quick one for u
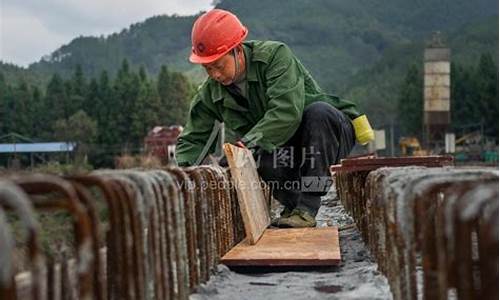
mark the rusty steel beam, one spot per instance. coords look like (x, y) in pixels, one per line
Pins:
(370, 163)
(176, 197)
(236, 218)
(203, 235)
(406, 215)
(187, 189)
(167, 231)
(115, 245)
(176, 234)
(212, 216)
(133, 285)
(7, 285)
(13, 198)
(98, 279)
(138, 279)
(163, 221)
(46, 184)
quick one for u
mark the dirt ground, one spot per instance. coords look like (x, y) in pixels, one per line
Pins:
(356, 278)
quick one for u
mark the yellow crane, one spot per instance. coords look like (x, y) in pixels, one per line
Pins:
(410, 146)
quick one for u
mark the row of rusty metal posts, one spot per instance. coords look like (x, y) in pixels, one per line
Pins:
(432, 228)
(165, 232)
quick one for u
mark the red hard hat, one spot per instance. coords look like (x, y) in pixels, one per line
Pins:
(214, 34)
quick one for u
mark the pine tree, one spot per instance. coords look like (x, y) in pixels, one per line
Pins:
(106, 114)
(7, 108)
(126, 90)
(151, 107)
(180, 92)
(55, 102)
(78, 90)
(475, 95)
(92, 101)
(163, 82)
(138, 114)
(163, 88)
(487, 87)
(24, 110)
(410, 103)
(463, 95)
(142, 74)
(3, 105)
(37, 104)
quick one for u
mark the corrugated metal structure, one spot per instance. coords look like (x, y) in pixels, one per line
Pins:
(37, 147)
(433, 230)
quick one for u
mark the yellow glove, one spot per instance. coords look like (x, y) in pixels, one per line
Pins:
(363, 130)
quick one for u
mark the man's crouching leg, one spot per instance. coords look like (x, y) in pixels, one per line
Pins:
(325, 136)
(282, 177)
(298, 172)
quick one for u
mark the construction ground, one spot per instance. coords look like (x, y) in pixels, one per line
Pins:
(357, 277)
(409, 228)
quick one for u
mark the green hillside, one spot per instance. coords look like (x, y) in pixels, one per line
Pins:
(359, 49)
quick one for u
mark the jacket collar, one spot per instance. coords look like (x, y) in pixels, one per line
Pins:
(218, 92)
(251, 70)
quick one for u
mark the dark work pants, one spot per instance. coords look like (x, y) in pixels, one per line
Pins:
(298, 172)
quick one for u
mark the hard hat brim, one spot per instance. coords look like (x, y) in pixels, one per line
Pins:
(196, 59)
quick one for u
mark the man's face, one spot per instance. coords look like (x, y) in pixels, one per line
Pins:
(222, 69)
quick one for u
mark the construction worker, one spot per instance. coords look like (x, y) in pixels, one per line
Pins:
(270, 102)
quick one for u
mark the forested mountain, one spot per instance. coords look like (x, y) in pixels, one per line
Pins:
(366, 50)
(335, 39)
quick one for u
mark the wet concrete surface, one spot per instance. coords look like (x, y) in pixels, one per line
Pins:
(356, 277)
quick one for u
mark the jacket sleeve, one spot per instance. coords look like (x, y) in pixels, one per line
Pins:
(286, 93)
(196, 132)
(346, 106)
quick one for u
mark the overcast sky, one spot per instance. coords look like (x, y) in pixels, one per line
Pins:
(30, 29)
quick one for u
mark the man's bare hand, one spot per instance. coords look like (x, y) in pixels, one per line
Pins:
(240, 144)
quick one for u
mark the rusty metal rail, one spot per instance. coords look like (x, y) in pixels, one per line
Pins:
(433, 230)
(163, 234)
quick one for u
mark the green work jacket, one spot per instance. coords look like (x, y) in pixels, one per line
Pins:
(278, 89)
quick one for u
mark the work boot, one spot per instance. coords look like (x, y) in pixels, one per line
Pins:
(285, 213)
(298, 219)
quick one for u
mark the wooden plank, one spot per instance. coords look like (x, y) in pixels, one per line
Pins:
(253, 205)
(368, 164)
(390, 161)
(288, 247)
